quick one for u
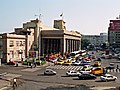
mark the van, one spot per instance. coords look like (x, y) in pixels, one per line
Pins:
(97, 71)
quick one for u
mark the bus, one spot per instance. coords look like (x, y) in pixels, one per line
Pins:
(77, 53)
(82, 52)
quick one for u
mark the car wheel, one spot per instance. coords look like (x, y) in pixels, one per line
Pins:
(106, 80)
(114, 79)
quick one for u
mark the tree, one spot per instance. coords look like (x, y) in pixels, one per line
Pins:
(103, 46)
(84, 43)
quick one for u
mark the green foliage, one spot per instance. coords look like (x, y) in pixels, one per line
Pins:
(43, 62)
(84, 43)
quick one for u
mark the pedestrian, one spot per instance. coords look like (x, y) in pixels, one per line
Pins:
(16, 64)
(35, 64)
(14, 82)
(117, 68)
(31, 65)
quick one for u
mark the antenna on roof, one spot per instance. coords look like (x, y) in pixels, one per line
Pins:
(38, 15)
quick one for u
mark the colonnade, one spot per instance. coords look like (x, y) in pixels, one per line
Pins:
(72, 45)
(59, 45)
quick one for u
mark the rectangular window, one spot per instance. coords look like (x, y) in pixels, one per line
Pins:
(17, 54)
(17, 43)
(21, 43)
(11, 54)
(11, 43)
(29, 43)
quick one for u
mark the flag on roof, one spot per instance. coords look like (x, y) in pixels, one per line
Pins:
(61, 15)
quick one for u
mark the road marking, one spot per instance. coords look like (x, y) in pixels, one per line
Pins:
(64, 67)
(31, 69)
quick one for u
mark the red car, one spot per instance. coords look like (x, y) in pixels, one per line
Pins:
(11, 63)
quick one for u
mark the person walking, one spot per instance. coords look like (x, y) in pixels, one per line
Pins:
(117, 68)
(14, 82)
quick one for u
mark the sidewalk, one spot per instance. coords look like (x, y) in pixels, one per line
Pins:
(4, 84)
(21, 65)
(5, 79)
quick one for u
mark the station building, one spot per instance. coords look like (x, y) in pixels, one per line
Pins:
(35, 39)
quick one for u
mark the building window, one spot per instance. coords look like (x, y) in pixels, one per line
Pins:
(12, 54)
(17, 43)
(21, 43)
(29, 43)
(17, 54)
(11, 43)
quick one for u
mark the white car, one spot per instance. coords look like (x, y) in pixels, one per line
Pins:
(87, 67)
(49, 72)
(108, 77)
(72, 73)
(76, 63)
(55, 60)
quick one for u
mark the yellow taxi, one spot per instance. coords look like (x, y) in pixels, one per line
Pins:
(97, 64)
(97, 71)
(60, 62)
(68, 63)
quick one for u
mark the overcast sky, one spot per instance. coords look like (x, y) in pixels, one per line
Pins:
(85, 16)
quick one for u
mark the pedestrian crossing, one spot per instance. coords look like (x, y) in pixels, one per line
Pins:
(113, 70)
(65, 67)
(78, 68)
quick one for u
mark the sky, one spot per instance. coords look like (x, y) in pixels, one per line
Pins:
(89, 17)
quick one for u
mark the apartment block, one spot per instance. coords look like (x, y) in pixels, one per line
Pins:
(114, 33)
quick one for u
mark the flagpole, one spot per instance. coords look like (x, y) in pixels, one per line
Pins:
(61, 15)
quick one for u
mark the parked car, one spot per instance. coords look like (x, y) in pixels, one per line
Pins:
(72, 73)
(84, 63)
(60, 62)
(86, 76)
(11, 63)
(54, 60)
(97, 63)
(68, 63)
(76, 63)
(108, 77)
(49, 72)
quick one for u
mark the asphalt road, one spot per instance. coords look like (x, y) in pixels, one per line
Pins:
(35, 80)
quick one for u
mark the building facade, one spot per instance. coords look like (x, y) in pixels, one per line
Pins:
(93, 39)
(35, 39)
(97, 40)
(114, 33)
(103, 38)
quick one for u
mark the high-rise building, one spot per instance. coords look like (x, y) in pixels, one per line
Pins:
(114, 33)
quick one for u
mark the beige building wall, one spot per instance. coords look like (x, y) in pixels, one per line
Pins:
(15, 47)
(18, 44)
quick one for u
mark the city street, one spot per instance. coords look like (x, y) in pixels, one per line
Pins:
(34, 79)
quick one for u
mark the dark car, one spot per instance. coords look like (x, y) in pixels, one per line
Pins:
(84, 63)
(111, 66)
(11, 63)
(86, 76)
